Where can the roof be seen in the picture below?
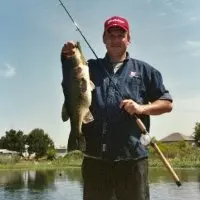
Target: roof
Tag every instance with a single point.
(5, 151)
(176, 137)
(61, 150)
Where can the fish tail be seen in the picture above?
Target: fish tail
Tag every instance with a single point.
(81, 143)
(76, 141)
(72, 143)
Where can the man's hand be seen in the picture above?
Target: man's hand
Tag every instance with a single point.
(68, 50)
(157, 107)
(132, 107)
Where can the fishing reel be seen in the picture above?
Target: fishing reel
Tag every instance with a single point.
(145, 139)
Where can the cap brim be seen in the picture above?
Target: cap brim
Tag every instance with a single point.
(116, 25)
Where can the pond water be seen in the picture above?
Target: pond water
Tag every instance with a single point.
(67, 185)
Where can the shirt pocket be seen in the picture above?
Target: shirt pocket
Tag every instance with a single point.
(133, 86)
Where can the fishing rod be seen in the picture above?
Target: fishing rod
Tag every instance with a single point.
(145, 137)
(78, 29)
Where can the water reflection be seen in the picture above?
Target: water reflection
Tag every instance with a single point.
(42, 179)
(185, 175)
(72, 174)
(163, 187)
(199, 180)
(67, 184)
(38, 180)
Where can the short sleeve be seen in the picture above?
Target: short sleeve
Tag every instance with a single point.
(156, 89)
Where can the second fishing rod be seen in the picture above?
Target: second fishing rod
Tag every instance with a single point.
(145, 137)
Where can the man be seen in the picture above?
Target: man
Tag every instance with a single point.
(115, 161)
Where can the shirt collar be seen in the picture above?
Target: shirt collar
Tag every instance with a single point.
(107, 57)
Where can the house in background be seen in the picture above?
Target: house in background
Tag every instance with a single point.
(61, 151)
(8, 152)
(177, 137)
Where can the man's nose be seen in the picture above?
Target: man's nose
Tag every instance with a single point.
(116, 39)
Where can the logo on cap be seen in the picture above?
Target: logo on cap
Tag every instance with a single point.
(116, 21)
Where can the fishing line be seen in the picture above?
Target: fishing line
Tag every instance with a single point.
(145, 137)
(78, 29)
(76, 25)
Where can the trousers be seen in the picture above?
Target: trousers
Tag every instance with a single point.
(121, 180)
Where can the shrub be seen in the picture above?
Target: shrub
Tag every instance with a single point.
(51, 154)
(9, 159)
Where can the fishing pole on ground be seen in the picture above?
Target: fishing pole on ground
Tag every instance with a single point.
(145, 137)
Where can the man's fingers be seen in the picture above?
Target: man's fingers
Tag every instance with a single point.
(123, 103)
(129, 105)
(69, 49)
(69, 46)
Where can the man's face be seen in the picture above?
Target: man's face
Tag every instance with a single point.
(116, 40)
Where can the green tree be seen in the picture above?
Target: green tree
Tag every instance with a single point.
(51, 154)
(13, 140)
(2, 142)
(39, 142)
(197, 133)
(154, 139)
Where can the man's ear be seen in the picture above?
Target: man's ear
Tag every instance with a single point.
(129, 38)
(104, 40)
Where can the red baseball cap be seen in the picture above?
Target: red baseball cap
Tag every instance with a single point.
(116, 21)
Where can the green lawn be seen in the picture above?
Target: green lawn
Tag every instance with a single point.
(179, 155)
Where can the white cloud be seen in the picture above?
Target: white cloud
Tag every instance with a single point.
(196, 53)
(182, 104)
(193, 43)
(174, 5)
(7, 71)
(162, 14)
(194, 18)
(149, 1)
(168, 2)
(194, 47)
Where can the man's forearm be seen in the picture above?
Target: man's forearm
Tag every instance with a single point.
(157, 107)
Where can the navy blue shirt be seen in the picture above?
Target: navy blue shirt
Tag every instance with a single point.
(114, 134)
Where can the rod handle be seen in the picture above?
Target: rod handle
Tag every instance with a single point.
(158, 151)
(141, 125)
(166, 163)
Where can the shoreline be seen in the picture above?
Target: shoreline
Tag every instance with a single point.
(63, 163)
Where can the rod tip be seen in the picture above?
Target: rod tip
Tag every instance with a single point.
(178, 183)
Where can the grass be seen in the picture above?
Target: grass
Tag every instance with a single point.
(73, 159)
(179, 156)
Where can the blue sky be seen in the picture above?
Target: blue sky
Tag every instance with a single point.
(165, 33)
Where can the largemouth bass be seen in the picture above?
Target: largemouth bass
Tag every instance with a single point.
(78, 87)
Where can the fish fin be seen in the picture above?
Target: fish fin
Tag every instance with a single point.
(81, 143)
(64, 113)
(76, 143)
(72, 143)
(88, 118)
(78, 45)
(92, 85)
